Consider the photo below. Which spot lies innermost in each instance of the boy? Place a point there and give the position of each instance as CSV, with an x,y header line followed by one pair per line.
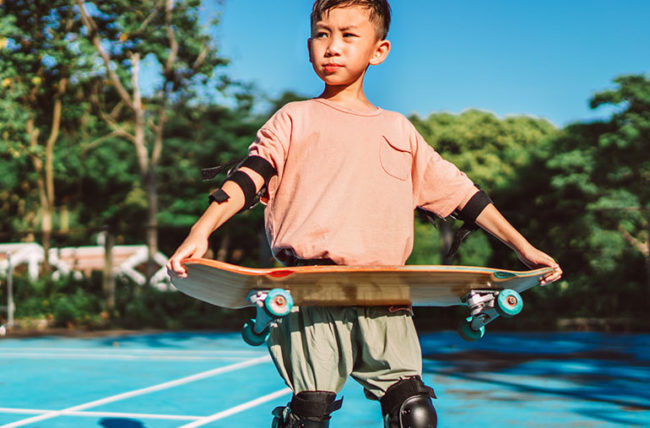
x,y
341,179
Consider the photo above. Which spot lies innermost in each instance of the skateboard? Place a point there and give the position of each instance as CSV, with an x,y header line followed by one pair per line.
x,y
488,293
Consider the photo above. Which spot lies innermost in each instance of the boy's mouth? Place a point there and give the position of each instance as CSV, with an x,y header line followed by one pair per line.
x,y
331,67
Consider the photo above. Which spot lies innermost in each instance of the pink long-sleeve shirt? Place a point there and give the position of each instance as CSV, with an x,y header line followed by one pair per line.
x,y
347,183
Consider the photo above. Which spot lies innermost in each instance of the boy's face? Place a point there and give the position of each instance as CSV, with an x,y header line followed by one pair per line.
x,y
343,43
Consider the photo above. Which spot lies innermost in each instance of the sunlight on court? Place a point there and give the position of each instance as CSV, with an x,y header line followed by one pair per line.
x,y
214,379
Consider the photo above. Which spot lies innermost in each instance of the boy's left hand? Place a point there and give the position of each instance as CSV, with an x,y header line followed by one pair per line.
x,y
534,259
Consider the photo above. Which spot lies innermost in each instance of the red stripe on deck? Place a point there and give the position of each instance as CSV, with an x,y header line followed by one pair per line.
x,y
280,273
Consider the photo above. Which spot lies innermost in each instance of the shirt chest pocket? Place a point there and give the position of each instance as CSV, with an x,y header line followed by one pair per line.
x,y
396,159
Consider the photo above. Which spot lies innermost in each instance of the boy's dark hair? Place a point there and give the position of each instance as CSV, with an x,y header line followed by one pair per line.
x,y
379,12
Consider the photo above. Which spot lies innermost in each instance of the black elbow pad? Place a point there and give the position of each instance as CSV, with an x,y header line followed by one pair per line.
x,y
243,180
474,207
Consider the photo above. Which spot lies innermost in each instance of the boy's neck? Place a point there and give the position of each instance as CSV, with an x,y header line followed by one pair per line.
x,y
350,96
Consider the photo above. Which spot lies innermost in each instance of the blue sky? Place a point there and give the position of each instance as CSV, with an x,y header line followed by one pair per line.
x,y
540,58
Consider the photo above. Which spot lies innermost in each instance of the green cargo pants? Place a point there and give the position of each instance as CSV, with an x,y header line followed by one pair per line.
x,y
318,348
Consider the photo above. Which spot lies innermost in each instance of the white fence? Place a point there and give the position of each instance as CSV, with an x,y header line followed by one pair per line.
x,y
10,308
79,261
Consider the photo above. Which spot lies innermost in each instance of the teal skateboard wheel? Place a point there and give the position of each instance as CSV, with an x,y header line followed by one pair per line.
x,y
278,302
251,337
466,331
509,303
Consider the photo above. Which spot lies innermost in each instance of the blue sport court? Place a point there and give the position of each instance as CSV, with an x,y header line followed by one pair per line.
x,y
191,379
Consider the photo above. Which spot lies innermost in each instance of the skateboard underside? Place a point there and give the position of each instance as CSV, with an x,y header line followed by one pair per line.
x,y
226,285
488,293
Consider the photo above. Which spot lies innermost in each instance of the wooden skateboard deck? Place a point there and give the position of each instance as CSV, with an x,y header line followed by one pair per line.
x,y
228,285
488,293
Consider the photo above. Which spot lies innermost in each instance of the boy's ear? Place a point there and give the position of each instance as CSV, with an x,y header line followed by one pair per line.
x,y
381,52
309,49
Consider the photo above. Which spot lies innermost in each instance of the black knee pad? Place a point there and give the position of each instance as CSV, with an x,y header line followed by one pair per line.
x,y
407,404
309,409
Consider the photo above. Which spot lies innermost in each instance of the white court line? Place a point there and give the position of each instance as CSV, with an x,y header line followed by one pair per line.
x,y
23,411
238,409
132,351
142,391
102,414
111,356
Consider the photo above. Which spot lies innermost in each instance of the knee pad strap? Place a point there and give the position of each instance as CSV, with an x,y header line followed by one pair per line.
x,y
315,404
307,409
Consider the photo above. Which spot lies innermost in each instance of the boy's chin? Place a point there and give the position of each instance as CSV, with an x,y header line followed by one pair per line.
x,y
336,81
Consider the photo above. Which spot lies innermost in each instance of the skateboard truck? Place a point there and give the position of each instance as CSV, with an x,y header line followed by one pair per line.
x,y
270,305
484,307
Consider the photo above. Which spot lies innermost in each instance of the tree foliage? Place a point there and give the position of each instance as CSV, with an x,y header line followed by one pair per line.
x,y
492,152
77,115
488,149
167,33
41,65
600,186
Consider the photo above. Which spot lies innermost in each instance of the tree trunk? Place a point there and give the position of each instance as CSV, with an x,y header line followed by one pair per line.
x,y
46,215
147,170
48,201
108,280
46,239
152,221
45,172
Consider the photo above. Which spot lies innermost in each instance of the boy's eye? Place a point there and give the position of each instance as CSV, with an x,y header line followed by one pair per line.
x,y
349,35
320,35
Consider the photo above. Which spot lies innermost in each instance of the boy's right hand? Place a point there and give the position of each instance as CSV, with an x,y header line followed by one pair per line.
x,y
534,258
192,247
196,243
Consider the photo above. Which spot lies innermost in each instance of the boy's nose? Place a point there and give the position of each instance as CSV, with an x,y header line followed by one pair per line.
x,y
333,48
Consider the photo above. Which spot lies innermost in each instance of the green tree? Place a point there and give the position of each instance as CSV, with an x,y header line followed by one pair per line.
x,y
225,135
601,172
491,151
167,33
41,61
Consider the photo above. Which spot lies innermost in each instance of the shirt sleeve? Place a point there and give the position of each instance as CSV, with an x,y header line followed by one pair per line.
x,y
272,141
272,144
438,185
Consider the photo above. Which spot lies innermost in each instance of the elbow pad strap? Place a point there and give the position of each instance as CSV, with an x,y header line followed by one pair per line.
x,y
260,166
219,196
244,182
256,163
247,186
474,207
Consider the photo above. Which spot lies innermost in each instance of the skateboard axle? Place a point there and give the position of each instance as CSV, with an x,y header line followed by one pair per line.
x,y
262,318
270,305
486,305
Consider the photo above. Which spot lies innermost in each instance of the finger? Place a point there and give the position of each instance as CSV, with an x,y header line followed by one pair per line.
x,y
552,277
178,269
175,268
176,262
